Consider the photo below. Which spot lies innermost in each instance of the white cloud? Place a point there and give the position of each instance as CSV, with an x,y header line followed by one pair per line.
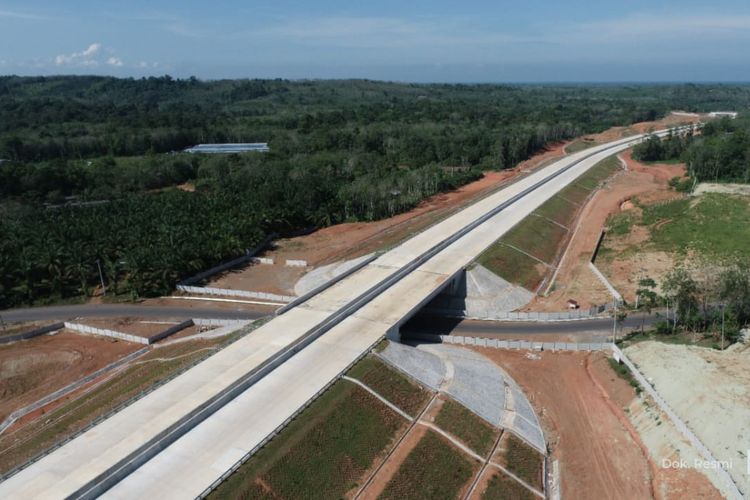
x,y
87,57
115,61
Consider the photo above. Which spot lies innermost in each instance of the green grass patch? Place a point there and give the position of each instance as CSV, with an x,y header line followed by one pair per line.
x,y
624,373
324,453
522,460
433,469
504,487
714,225
620,224
390,384
466,426
578,145
559,210
513,266
537,237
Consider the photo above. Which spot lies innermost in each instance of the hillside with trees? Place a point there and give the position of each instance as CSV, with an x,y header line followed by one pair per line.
x,y
340,151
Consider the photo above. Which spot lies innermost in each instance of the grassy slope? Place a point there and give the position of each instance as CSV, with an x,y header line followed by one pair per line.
x,y
503,487
323,453
433,469
538,236
523,461
465,425
390,384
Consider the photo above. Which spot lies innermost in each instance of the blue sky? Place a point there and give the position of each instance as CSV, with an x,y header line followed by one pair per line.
x,y
469,41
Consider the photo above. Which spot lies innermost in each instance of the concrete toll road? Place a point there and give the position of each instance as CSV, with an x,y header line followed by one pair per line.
x,y
178,440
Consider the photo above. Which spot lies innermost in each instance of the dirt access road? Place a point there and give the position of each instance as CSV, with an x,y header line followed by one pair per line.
x,y
580,402
575,280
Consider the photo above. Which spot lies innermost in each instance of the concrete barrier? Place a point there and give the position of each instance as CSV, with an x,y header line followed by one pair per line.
x,y
226,292
32,333
232,263
295,263
105,332
262,260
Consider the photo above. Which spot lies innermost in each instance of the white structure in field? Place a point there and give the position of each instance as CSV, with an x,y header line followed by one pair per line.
x,y
242,147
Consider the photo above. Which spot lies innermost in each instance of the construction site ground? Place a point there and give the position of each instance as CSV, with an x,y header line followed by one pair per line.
x,y
710,391
601,454
31,369
55,421
574,279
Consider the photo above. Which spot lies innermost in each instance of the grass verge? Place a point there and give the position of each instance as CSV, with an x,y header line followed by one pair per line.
x,y
522,460
324,453
390,384
624,373
541,234
433,469
504,487
466,426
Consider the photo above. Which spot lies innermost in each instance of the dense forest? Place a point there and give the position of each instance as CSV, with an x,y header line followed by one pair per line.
x,y
720,153
340,151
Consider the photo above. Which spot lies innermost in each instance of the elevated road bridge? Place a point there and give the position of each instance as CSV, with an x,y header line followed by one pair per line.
x,y
179,439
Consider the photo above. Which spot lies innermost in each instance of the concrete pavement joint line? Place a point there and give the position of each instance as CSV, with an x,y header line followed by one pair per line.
x,y
381,398
325,286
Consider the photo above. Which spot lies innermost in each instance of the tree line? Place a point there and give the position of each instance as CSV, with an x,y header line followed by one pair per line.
x,y
720,153
340,151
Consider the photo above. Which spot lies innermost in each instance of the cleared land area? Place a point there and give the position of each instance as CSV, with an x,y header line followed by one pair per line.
x,y
433,469
610,209
31,369
324,453
599,452
709,390
58,420
651,239
528,253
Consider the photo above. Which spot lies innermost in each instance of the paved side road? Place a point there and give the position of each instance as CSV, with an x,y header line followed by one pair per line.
x,y
88,310
591,330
